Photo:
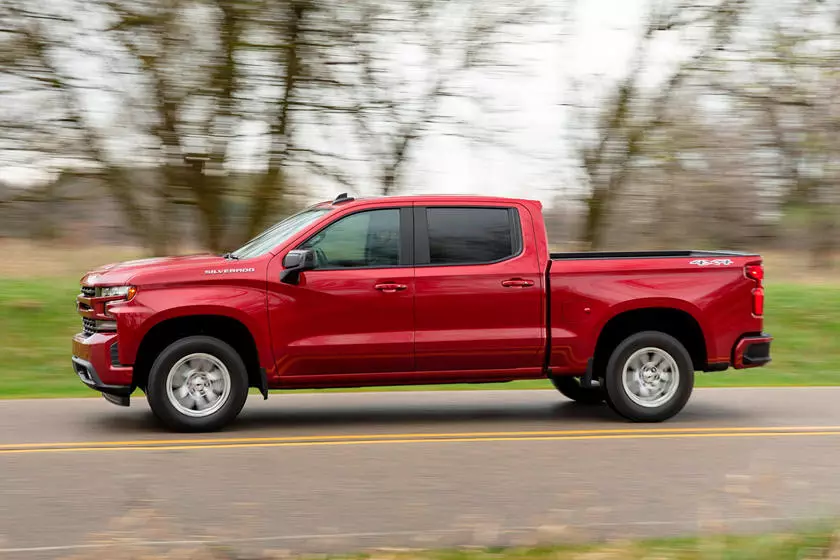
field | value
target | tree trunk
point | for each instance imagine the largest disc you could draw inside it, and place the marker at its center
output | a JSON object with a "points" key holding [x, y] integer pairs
{"points": [[595, 216], [264, 199], [823, 237]]}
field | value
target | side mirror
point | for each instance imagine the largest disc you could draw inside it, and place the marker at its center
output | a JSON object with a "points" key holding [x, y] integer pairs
{"points": [[295, 262]]}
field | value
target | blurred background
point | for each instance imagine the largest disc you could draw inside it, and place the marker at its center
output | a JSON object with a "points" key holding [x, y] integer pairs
{"points": [[151, 127], [133, 128], [177, 125]]}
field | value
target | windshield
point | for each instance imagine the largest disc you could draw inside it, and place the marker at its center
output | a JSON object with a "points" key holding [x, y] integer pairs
{"points": [[278, 233]]}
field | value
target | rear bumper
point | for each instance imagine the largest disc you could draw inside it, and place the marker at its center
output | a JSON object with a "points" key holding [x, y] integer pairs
{"points": [[752, 351], [94, 363]]}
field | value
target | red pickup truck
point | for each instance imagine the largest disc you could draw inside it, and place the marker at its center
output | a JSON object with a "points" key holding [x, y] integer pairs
{"points": [[415, 290]]}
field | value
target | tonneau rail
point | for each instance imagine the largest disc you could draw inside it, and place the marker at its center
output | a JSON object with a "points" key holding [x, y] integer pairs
{"points": [[647, 254]]}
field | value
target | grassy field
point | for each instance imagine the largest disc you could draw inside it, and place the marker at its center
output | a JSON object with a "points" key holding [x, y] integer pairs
{"points": [[806, 546], [37, 321], [792, 546]]}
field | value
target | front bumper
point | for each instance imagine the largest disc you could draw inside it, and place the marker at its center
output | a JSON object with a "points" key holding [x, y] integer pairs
{"points": [[93, 362], [752, 351]]}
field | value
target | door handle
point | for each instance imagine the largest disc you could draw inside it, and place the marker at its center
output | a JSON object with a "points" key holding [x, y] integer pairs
{"points": [[517, 283], [390, 288]]}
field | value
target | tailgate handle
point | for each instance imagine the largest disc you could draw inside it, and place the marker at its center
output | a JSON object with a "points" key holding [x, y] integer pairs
{"points": [[517, 283], [390, 288]]}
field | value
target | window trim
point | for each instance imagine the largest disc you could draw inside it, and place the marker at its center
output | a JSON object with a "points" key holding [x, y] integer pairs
{"points": [[422, 251], [406, 240]]}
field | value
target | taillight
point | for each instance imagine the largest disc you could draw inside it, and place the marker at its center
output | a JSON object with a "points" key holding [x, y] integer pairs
{"points": [[758, 302], [756, 272]]}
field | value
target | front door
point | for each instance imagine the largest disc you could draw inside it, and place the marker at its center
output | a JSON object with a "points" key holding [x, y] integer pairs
{"points": [[353, 314]]}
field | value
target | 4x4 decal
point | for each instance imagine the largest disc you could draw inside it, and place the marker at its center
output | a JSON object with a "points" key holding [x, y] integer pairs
{"points": [[713, 262]]}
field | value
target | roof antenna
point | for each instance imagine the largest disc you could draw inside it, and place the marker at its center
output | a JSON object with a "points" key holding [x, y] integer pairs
{"points": [[342, 198]]}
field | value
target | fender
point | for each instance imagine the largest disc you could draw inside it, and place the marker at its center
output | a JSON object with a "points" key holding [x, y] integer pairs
{"points": [[658, 302], [135, 321]]}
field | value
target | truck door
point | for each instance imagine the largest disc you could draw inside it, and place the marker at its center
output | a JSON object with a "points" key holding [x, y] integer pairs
{"points": [[354, 313], [479, 302]]}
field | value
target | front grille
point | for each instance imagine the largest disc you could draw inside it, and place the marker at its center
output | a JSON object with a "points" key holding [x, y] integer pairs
{"points": [[88, 291], [88, 325]]}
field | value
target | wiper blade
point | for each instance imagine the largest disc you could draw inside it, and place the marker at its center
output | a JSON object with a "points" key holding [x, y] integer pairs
{"points": [[230, 256]]}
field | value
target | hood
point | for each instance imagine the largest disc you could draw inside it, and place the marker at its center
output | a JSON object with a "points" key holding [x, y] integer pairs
{"points": [[116, 274]]}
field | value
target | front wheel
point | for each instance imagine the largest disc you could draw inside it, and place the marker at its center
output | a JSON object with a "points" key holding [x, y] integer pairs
{"points": [[649, 377], [197, 384]]}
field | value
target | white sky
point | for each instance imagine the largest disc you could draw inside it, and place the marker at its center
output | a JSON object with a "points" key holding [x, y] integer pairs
{"points": [[597, 52]]}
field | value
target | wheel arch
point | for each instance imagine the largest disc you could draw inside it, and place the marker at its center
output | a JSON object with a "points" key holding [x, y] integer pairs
{"points": [[221, 326], [676, 322]]}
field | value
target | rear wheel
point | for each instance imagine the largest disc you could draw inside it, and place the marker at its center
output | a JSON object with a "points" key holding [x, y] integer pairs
{"points": [[571, 388], [197, 384], [649, 377]]}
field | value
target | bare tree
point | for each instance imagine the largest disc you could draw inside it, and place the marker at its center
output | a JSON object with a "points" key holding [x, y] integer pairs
{"points": [[63, 131], [631, 112], [399, 71], [792, 83], [180, 77]]}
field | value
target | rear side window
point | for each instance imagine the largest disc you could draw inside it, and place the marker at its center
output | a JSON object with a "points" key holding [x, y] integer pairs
{"points": [[471, 235]]}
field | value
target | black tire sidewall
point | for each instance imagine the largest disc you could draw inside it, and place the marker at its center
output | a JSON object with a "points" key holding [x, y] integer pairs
{"points": [[156, 387], [618, 399]]}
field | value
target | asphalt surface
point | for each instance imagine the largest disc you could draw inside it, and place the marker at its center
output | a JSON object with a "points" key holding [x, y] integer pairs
{"points": [[341, 472]]}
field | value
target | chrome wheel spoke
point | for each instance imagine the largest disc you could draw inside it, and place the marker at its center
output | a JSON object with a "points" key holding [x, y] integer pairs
{"points": [[639, 363], [202, 402], [210, 397], [188, 402], [182, 392]]}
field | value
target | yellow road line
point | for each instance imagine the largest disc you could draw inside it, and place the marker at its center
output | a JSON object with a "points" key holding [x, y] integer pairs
{"points": [[329, 437], [618, 436]]}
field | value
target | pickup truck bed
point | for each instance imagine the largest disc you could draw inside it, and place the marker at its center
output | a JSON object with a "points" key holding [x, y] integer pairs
{"points": [[705, 297]]}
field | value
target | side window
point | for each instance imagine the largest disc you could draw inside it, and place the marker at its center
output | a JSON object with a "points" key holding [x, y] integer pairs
{"points": [[359, 240], [470, 235]]}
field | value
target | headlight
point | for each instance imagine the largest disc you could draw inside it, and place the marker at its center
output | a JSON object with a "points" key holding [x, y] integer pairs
{"points": [[118, 291]]}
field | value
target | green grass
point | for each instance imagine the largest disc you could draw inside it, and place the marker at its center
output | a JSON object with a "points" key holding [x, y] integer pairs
{"points": [[795, 546], [810, 545], [37, 321]]}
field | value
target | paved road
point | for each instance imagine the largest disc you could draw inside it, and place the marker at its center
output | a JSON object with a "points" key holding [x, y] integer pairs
{"points": [[342, 471]]}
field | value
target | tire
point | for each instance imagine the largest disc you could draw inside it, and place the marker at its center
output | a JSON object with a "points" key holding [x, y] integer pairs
{"points": [[665, 368], [196, 372], [570, 387]]}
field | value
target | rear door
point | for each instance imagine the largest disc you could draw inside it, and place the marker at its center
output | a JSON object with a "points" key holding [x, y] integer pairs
{"points": [[478, 303]]}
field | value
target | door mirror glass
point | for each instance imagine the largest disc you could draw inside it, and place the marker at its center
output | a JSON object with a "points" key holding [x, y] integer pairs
{"points": [[295, 262]]}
